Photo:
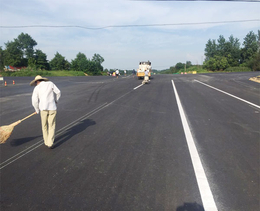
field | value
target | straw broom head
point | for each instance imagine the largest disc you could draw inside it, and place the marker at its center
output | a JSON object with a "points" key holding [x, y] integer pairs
{"points": [[6, 131]]}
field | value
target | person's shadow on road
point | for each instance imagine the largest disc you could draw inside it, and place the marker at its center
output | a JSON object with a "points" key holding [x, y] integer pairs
{"points": [[72, 131], [190, 207], [20, 141]]}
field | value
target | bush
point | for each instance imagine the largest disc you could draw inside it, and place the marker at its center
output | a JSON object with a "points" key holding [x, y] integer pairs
{"points": [[238, 69]]}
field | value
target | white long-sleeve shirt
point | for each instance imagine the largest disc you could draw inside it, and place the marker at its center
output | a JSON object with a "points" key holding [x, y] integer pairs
{"points": [[45, 96]]}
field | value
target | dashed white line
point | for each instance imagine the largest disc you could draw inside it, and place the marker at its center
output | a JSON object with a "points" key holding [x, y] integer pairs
{"points": [[138, 86], [229, 94], [204, 188]]}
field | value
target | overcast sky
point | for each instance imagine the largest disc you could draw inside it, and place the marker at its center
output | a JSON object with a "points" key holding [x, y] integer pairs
{"points": [[107, 28]]}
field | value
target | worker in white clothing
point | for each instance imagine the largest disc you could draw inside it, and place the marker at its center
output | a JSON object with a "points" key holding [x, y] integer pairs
{"points": [[44, 99], [146, 76], [117, 73]]}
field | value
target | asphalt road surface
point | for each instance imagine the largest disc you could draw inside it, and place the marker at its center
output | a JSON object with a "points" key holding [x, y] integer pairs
{"points": [[181, 143]]}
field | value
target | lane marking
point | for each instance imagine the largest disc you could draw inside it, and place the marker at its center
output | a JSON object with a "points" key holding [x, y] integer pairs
{"points": [[204, 188], [4, 99], [229, 94], [138, 86], [59, 132]]}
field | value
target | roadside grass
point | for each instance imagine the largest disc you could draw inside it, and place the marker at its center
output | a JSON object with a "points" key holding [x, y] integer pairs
{"points": [[199, 69], [43, 73], [238, 69]]}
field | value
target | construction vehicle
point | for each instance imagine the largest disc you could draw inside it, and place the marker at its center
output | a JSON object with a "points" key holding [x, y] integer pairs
{"points": [[142, 67]]}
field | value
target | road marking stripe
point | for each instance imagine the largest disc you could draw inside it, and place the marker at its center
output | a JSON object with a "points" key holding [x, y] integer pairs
{"points": [[204, 188], [25, 152], [229, 94], [39, 143], [138, 86]]}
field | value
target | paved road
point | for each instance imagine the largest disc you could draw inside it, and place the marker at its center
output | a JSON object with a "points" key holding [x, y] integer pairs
{"points": [[121, 146]]}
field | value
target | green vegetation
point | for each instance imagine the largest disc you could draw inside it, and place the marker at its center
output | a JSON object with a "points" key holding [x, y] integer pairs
{"points": [[220, 55], [225, 55], [20, 53], [189, 70], [43, 73]]}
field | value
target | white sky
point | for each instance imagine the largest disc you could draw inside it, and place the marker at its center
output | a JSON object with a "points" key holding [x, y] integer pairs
{"points": [[124, 47]]}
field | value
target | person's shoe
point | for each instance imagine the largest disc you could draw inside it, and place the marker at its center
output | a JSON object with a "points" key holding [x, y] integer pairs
{"points": [[51, 147]]}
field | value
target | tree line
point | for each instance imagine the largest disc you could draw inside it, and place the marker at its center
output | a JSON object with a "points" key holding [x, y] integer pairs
{"points": [[222, 54], [226, 55], [21, 52]]}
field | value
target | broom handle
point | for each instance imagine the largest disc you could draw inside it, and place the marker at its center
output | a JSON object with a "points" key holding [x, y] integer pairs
{"points": [[28, 116]]}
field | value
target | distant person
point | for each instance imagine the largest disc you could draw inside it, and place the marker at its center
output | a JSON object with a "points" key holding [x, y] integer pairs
{"points": [[117, 73], [125, 72], [146, 76], [44, 100], [133, 72]]}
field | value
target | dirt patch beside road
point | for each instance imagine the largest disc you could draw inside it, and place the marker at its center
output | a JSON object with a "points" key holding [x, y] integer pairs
{"points": [[255, 79]]}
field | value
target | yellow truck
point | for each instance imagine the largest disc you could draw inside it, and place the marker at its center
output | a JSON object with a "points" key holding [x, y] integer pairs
{"points": [[142, 67]]}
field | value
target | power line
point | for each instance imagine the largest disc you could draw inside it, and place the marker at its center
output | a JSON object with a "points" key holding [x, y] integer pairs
{"points": [[210, 0], [121, 26]]}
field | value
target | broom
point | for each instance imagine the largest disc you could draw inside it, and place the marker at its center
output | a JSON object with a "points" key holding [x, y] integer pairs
{"points": [[6, 130]]}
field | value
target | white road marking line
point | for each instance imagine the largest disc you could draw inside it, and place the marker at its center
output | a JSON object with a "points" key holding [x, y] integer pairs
{"points": [[229, 94], [39, 143], [26, 151], [204, 188], [4, 99], [138, 86]]}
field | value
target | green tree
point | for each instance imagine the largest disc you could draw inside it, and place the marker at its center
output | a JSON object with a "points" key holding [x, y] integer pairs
{"points": [[258, 40], [188, 64], [221, 46], [250, 47], [58, 62], [1, 59], [216, 63], [98, 59], [94, 68], [26, 44], [13, 55], [18, 52], [67, 65], [41, 60], [173, 70], [233, 51], [256, 62], [32, 63], [80, 63], [211, 49], [179, 66]]}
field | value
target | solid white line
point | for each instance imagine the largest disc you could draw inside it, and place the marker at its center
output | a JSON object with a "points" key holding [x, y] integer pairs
{"points": [[60, 131], [205, 192], [138, 86], [21, 155], [230, 94]]}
